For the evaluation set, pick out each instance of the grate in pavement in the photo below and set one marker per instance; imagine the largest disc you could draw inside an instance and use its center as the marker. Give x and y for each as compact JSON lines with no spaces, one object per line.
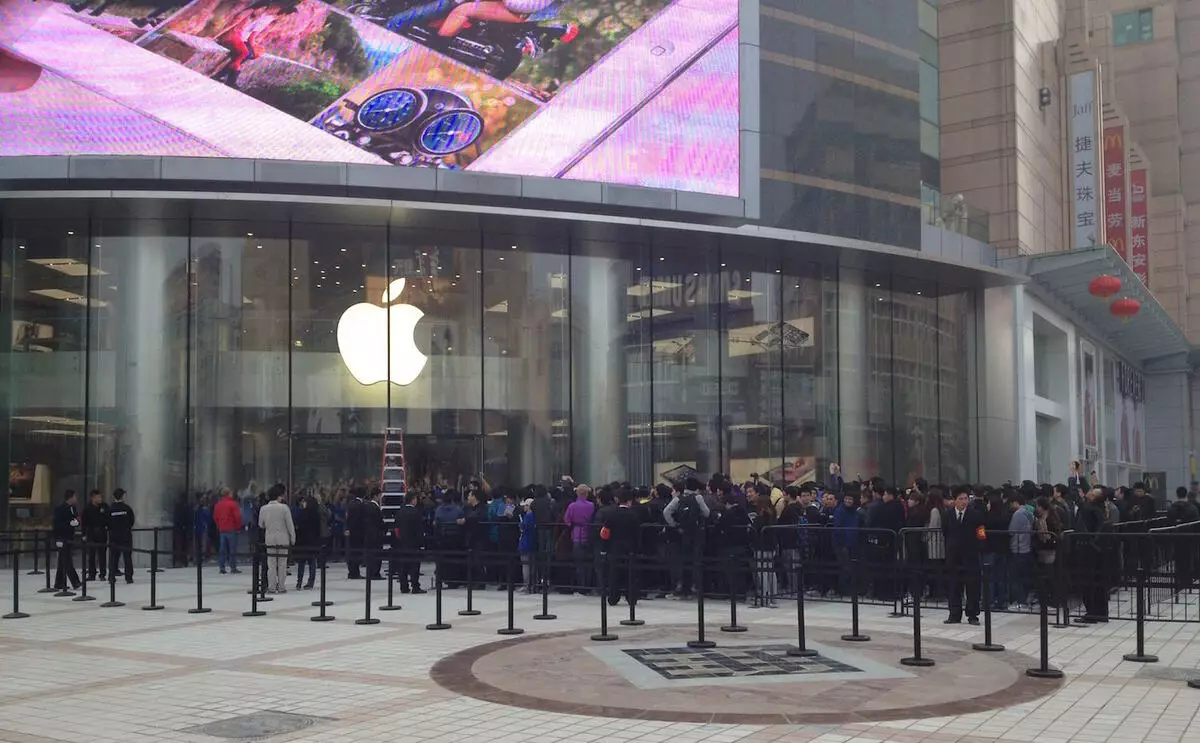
{"x":257,"y":725}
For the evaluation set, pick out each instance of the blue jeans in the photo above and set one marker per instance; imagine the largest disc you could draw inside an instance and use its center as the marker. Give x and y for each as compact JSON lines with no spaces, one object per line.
{"x":582,"y":554}
{"x":413,"y":16}
{"x":229,"y":547}
{"x":1020,"y":575}
{"x":994,"y":566}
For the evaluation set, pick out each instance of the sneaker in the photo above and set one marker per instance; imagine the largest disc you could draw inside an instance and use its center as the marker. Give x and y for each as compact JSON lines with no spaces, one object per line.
{"x":418,"y":589}
{"x":952,"y":621}
{"x":222,"y":571}
{"x":235,"y":571}
{"x":974,"y":621}
{"x":308,"y":586}
{"x":282,"y":590}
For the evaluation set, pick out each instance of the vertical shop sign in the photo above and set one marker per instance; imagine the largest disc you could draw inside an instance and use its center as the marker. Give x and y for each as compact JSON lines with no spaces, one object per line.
{"x":1139,"y":229}
{"x":1088,"y":209}
{"x":1116,"y":203}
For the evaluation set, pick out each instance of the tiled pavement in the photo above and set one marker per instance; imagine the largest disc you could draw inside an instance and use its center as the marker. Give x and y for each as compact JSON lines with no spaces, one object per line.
{"x":77,"y":672}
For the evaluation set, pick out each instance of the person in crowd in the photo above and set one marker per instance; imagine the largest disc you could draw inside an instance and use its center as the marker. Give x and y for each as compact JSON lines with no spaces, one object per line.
{"x":279,"y":534}
{"x":578,"y":517}
{"x":1183,"y":515}
{"x":687,"y":516}
{"x":448,"y":535}
{"x":508,"y":539}
{"x":1048,"y":531}
{"x":765,"y":543}
{"x":993,"y":557}
{"x":1096,"y":563}
{"x":182,"y":530}
{"x":475,"y":533}
{"x":889,"y":520}
{"x":1123,"y":501}
{"x":934,"y":537}
{"x":120,"y":536}
{"x":337,"y":526}
{"x":227,"y":516}
{"x":835,"y":484}
{"x":66,"y":522}
{"x":202,"y":526}
{"x":913,"y":547}
{"x":1076,"y":480}
{"x":410,"y":540}
{"x":372,"y":534}
{"x":354,"y":533}
{"x":847,"y":522}
{"x":619,"y":539}
{"x":1143,"y":507}
{"x":95,"y":534}
{"x":1020,"y":550}
{"x":965,"y":534}
{"x":308,"y":540}
{"x":731,"y":532}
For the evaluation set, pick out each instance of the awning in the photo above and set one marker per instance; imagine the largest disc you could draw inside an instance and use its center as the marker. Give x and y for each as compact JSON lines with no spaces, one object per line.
{"x":1064,"y":277}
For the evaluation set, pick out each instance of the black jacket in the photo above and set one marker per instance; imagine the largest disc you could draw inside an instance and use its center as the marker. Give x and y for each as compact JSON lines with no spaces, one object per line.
{"x":410,"y":528}
{"x":962,"y":542}
{"x":120,"y":521}
{"x":372,"y":525}
{"x":733,"y":527}
{"x":354,"y":521}
{"x":64,"y":514}
{"x":476,"y":527}
{"x":95,"y":522}
{"x":623,"y":525}
{"x":308,"y":528}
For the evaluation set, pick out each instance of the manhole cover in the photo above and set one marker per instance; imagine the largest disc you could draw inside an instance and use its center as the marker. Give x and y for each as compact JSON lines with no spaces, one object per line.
{"x":257,"y":725}
{"x":764,"y":660}
{"x":1168,"y":673}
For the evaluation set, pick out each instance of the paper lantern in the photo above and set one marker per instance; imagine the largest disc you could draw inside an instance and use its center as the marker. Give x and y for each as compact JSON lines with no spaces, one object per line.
{"x":1104,"y":286}
{"x":1125,"y":308}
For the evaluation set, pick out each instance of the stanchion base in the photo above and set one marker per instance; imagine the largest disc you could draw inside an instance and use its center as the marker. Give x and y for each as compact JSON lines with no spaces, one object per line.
{"x":1135,"y":658}
{"x":391,"y":607}
{"x":156,"y":570}
{"x":62,"y":594}
{"x":365,"y":620}
{"x":153,"y":607}
{"x":701,"y":644}
{"x":1193,"y":683}
{"x":111,"y":604}
{"x":15,"y":615}
{"x":632,"y":622}
{"x":604,"y":638}
{"x":437,"y":625}
{"x":35,"y":572}
{"x":987,"y":647}
{"x":917,"y":662}
{"x":319,"y":604}
{"x":469,"y":613}
{"x":733,"y":628}
{"x":512,"y":631}
{"x":896,"y":615}
{"x":200,"y":610}
{"x":84,"y":597}
{"x":47,"y":590}
{"x":545,"y":617}
{"x":322,"y":618}
{"x":856,"y":638}
{"x":799,"y":652}
{"x":254,"y":614}
{"x":1044,"y":673}
{"x":265,"y":599}
{"x":1063,"y":625}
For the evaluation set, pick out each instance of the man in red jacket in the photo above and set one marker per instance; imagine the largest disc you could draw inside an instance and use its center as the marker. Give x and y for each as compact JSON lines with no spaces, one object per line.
{"x":228,"y":517}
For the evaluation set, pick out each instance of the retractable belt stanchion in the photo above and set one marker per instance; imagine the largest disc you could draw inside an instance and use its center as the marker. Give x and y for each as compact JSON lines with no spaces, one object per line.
{"x":437,"y":596}
{"x":254,"y":579}
{"x":391,"y":605}
{"x":83,"y":581}
{"x":987,"y":645}
{"x":154,"y":571}
{"x":49,"y":544}
{"x":730,"y":572}
{"x":367,"y":618}
{"x":510,"y":629}
{"x":700,"y":642}
{"x":603,"y":635}
{"x":112,"y":602}
{"x":36,"y":570}
{"x":322,"y":603}
{"x":855,"y":635}
{"x":545,"y":581}
{"x":1044,"y":669}
{"x":16,"y":612}
{"x":917,"y":660}
{"x":154,"y":568}
{"x":470,"y":611}
{"x":801,"y":650}
{"x":1141,"y":656}
{"x":200,"y":608}
{"x":631,"y":594}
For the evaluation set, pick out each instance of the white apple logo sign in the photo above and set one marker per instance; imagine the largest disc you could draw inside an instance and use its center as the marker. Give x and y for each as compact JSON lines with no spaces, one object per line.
{"x":363,"y":339}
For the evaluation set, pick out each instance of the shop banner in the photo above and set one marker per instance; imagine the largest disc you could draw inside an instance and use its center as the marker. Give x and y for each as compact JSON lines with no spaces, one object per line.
{"x":1088,"y":210}
{"x":1131,"y":397}
{"x":1116,"y":206}
{"x":1139,"y":229}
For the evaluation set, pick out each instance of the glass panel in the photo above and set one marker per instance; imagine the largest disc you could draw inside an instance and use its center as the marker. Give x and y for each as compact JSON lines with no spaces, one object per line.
{"x":612,"y":354}
{"x":956,"y":337}
{"x":931,"y":140}
{"x":239,"y":361}
{"x":810,"y":384}
{"x":138,"y":364}
{"x":526,"y":357}
{"x":915,"y":373}
{"x":44,"y":286}
{"x":930,"y":87}
{"x":928,"y":48}
{"x":865,"y":374}
{"x":685,"y":287}
{"x":927,"y":17}
{"x":1133,"y":27}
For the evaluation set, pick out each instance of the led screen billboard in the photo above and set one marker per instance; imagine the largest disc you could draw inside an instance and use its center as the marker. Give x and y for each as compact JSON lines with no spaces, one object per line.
{"x":639,"y":92}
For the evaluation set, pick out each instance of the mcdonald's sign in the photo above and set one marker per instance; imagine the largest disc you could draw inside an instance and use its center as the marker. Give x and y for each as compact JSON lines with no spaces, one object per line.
{"x":1116,"y":194}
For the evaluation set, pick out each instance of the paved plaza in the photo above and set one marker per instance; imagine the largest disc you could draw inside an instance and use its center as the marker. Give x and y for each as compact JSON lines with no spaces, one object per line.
{"x":79,"y":673}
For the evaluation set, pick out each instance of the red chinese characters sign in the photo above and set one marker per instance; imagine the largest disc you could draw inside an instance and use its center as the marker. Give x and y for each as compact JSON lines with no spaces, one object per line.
{"x":1139,"y":230}
{"x":1115,"y":201}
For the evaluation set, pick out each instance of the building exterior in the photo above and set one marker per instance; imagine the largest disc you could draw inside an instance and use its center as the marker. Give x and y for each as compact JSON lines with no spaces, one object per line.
{"x":801,"y":232}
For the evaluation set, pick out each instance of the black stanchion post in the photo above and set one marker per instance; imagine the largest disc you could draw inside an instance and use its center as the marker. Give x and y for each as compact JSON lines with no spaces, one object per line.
{"x":510,"y":629}
{"x":801,"y":650}
{"x":545,"y":580}
{"x":200,"y":608}
{"x":1044,"y":669}
{"x":631,"y":592}
{"x":917,"y":660}
{"x":36,"y":570}
{"x":368,"y":619}
{"x":64,"y":591}
{"x":392,"y":605}
{"x":112,"y":602}
{"x":700,"y":642}
{"x":254,"y":579}
{"x":603,"y":635}
{"x":263,"y":566}
{"x":987,"y":645}
{"x":1141,"y":656}
{"x":437,"y":597}
{"x":16,"y":612}
{"x":49,"y":545}
{"x":1062,"y":609}
{"x":83,"y":581}
{"x":154,"y":563}
{"x":470,"y":611}
{"x":154,"y":571}
{"x":855,"y":635}
{"x":322,"y":603}
{"x":730,"y":572}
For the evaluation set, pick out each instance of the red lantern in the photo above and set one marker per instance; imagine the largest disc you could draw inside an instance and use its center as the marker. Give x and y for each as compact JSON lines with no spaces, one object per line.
{"x":1125,"y":308}
{"x":1104,"y":286}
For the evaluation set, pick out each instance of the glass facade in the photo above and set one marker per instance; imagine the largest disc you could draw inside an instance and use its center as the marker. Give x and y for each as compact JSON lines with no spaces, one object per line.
{"x":167,"y":356}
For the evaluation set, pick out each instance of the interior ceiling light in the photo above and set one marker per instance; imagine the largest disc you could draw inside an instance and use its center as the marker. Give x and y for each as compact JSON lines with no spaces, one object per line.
{"x":643,"y":314}
{"x":52,"y":420}
{"x":502,"y":307}
{"x":71,"y":297}
{"x":646,"y":288}
{"x":68,"y":266}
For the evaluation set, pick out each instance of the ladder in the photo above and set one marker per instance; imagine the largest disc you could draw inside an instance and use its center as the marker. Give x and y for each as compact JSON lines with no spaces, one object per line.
{"x":391,"y":481}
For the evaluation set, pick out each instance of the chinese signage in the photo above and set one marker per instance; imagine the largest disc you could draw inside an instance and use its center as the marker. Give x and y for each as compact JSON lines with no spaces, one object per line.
{"x":1115,"y":201}
{"x":1139,"y":230}
{"x":1089,"y":210}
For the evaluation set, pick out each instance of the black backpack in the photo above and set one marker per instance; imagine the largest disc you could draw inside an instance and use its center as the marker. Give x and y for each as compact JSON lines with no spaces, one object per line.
{"x":688,"y":514}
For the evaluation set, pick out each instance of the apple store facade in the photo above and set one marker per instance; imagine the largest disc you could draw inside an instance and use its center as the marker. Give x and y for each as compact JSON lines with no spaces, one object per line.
{"x":170,"y":345}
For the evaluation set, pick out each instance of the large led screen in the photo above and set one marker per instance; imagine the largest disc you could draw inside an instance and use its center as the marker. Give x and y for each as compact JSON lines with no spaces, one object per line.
{"x":641,"y":92}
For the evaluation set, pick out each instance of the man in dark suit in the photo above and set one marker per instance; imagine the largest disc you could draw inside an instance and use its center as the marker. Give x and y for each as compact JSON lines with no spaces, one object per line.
{"x":354,"y":534}
{"x":621,"y":542}
{"x":410,"y":538}
{"x":962,"y":526}
{"x":66,"y":522}
{"x":372,"y":535}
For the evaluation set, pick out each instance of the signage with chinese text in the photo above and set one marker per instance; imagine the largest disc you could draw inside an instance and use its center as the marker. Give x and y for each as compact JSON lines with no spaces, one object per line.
{"x":1116,"y":222}
{"x":1139,"y":229}
{"x":1088,"y":210}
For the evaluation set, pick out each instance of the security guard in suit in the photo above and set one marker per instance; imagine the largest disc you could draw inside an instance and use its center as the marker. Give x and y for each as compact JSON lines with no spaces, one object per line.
{"x":120,"y":535}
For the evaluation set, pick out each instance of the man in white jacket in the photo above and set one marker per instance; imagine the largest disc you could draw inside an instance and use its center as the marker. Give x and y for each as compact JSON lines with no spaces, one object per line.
{"x":275,"y":519}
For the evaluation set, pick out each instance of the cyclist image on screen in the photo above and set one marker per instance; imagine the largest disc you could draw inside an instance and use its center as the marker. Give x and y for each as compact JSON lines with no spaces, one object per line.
{"x":241,"y":36}
{"x":459,"y":13}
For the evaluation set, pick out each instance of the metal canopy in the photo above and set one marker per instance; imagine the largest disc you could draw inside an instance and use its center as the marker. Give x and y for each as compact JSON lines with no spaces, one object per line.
{"x":1149,"y":334}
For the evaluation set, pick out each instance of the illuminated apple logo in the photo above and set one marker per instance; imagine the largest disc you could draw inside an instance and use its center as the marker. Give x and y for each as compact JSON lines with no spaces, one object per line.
{"x":365,"y":341}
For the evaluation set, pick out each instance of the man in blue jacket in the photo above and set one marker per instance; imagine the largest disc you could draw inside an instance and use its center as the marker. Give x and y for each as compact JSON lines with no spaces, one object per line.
{"x":846,"y":522}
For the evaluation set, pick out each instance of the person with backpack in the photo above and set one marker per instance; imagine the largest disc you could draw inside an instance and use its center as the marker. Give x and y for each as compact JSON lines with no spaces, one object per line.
{"x":1181,"y":513}
{"x":687,"y":514}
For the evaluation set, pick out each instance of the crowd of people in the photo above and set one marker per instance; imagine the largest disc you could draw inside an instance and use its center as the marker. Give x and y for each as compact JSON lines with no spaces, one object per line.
{"x":753,"y":541}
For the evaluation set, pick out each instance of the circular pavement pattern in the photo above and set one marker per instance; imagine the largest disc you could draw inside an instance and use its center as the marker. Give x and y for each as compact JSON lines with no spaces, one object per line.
{"x":650,"y":674}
